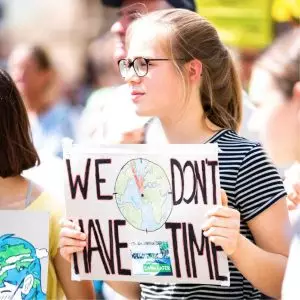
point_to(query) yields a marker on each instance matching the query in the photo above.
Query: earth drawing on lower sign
(143, 194)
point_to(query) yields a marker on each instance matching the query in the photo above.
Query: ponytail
(221, 93)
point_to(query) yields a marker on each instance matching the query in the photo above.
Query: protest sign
(142, 212)
(23, 254)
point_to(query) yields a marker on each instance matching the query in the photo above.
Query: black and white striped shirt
(252, 185)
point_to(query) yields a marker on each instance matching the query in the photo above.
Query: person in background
(17, 154)
(50, 116)
(275, 88)
(286, 15)
(180, 72)
(101, 67)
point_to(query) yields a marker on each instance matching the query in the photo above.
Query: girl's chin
(143, 112)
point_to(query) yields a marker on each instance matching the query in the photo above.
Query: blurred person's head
(180, 68)
(132, 9)
(17, 152)
(101, 69)
(32, 70)
(275, 89)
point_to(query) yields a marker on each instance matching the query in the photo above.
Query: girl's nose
(131, 76)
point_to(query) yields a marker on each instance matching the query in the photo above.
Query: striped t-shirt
(252, 184)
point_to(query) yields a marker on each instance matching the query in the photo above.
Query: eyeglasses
(139, 64)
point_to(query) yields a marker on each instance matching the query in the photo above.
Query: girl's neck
(192, 127)
(13, 192)
(10, 182)
(187, 132)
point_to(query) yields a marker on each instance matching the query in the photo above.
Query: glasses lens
(123, 67)
(140, 66)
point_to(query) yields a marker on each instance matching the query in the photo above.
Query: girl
(181, 73)
(17, 154)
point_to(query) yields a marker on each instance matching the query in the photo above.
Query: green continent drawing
(143, 194)
(20, 269)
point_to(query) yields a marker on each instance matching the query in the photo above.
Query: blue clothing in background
(49, 128)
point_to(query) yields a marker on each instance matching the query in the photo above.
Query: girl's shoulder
(228, 136)
(232, 144)
(43, 201)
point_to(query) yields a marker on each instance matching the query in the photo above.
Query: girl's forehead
(141, 47)
(146, 43)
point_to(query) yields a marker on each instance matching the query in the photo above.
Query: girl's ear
(194, 70)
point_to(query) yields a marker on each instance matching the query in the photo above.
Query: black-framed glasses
(139, 64)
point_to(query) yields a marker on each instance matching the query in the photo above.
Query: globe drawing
(143, 194)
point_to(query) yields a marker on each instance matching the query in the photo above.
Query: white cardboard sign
(142, 212)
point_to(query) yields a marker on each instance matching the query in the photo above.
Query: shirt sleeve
(258, 184)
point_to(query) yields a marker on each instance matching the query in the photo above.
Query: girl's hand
(71, 240)
(223, 226)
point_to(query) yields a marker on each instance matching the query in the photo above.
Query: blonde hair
(192, 37)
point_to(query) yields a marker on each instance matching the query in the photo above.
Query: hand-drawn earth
(143, 194)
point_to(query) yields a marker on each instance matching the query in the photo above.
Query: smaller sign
(151, 258)
(23, 254)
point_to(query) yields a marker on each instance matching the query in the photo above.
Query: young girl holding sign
(180, 72)
(18, 154)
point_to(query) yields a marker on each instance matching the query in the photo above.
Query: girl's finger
(65, 223)
(221, 232)
(219, 241)
(221, 222)
(224, 198)
(67, 252)
(221, 211)
(68, 242)
(72, 234)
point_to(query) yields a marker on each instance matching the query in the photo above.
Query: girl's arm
(262, 264)
(266, 261)
(72, 289)
(129, 290)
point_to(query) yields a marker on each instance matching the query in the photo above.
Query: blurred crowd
(70, 84)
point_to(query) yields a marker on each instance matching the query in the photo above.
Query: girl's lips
(135, 96)
(137, 93)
